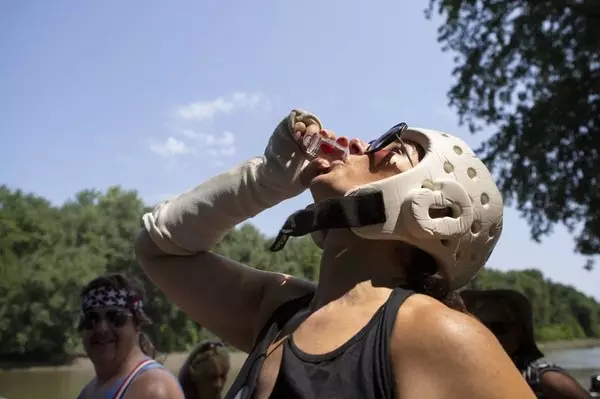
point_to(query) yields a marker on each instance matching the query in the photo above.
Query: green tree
(48, 253)
(560, 312)
(531, 69)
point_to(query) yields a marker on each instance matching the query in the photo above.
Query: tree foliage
(47, 253)
(531, 70)
(559, 311)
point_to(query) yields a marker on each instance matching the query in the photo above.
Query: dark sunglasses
(394, 134)
(117, 318)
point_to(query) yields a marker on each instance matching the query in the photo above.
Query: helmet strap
(333, 213)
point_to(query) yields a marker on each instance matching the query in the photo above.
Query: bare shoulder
(156, 383)
(432, 329)
(558, 384)
(442, 325)
(452, 352)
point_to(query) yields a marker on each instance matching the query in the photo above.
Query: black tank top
(360, 368)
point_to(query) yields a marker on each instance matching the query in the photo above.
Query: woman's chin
(323, 187)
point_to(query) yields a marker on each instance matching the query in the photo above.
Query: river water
(66, 384)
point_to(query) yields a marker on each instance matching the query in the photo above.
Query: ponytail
(423, 277)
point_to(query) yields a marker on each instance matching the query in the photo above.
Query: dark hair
(120, 281)
(185, 380)
(519, 307)
(423, 276)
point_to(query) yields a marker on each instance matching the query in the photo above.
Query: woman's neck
(356, 270)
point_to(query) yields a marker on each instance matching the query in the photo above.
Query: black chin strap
(334, 213)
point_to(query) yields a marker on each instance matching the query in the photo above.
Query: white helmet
(449, 176)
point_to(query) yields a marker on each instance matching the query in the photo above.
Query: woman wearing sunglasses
(403, 221)
(204, 373)
(112, 315)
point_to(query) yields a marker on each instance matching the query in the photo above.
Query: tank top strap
(144, 365)
(245, 383)
(382, 345)
(399, 295)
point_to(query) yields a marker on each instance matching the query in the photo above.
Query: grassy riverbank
(174, 360)
(572, 344)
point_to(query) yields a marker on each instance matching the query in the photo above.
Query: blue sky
(158, 95)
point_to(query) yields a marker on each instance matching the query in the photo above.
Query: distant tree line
(48, 252)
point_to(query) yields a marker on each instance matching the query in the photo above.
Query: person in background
(204, 373)
(112, 316)
(507, 314)
(595, 386)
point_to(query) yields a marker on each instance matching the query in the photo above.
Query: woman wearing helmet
(402, 221)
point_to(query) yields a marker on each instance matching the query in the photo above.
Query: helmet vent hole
(485, 199)
(472, 173)
(458, 150)
(438, 213)
(476, 227)
(448, 167)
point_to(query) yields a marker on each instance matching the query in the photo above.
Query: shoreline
(572, 344)
(82, 364)
(174, 360)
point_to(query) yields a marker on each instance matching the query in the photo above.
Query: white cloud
(246, 100)
(228, 139)
(203, 138)
(205, 110)
(223, 142)
(188, 135)
(226, 151)
(170, 147)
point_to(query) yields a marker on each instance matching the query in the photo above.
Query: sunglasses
(117, 318)
(393, 134)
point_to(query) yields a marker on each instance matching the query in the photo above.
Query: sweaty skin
(557, 385)
(154, 384)
(436, 352)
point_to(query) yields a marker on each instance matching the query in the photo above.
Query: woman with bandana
(112, 315)
(204, 373)
(507, 314)
(403, 220)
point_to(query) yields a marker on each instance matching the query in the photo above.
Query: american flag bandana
(106, 296)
